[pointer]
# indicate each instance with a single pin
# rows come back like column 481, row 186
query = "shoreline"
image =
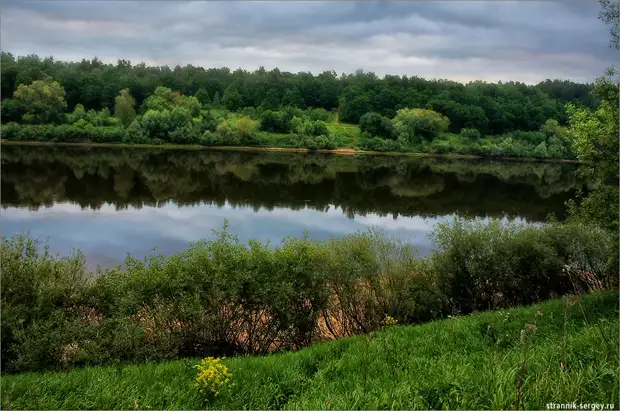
column 338, row 151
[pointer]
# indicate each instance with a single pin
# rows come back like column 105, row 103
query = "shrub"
column 221, row 297
column 318, row 114
column 245, row 129
column 11, row 131
column 470, row 134
column 379, row 144
column 411, row 123
column 376, row 125
column 486, row 266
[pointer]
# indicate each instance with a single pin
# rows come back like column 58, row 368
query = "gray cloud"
column 460, row 40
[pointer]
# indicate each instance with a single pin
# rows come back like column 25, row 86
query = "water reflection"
column 109, row 202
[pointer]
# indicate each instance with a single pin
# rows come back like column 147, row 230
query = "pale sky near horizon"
column 525, row 41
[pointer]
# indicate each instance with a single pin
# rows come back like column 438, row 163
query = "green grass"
column 473, row 362
column 348, row 134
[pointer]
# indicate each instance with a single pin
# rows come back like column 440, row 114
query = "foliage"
column 492, row 108
column 64, row 133
column 569, row 354
column 480, row 265
column 470, row 134
column 171, row 126
column 245, row 129
column 611, row 15
column 376, row 125
column 411, row 124
column 44, row 100
column 221, row 297
column 124, row 107
column 12, row 110
column 596, row 144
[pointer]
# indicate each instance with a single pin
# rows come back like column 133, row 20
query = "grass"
column 347, row 133
column 568, row 352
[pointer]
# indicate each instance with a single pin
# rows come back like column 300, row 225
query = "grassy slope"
column 471, row 362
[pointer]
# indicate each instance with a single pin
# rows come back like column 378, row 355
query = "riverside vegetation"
column 567, row 352
column 91, row 102
column 221, row 298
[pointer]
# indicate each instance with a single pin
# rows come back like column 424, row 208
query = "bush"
column 318, row 114
column 490, row 266
column 470, row 134
column 11, row 131
column 245, row 129
column 222, row 297
column 368, row 143
column 65, row 133
column 376, row 125
column 224, row 131
column 410, row 124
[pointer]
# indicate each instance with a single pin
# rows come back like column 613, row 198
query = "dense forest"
column 97, row 102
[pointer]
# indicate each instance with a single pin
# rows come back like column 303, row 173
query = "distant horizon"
column 460, row 41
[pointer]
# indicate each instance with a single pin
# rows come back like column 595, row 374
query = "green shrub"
column 221, row 297
column 376, row 125
column 470, row 134
column 486, row 266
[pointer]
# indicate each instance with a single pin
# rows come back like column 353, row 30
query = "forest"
column 90, row 101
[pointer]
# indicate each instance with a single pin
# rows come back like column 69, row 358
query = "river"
column 111, row 201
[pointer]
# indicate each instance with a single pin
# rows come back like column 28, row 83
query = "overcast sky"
column 525, row 41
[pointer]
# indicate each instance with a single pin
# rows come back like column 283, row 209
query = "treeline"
column 223, row 297
column 492, row 109
column 385, row 185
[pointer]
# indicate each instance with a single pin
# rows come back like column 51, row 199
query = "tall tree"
column 124, row 107
column 43, row 100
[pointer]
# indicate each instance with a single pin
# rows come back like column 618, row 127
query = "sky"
column 527, row 41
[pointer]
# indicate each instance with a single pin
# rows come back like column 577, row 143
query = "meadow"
column 560, row 351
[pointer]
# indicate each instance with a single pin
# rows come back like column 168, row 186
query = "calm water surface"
column 108, row 202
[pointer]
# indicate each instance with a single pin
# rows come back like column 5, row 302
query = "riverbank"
column 560, row 351
column 338, row 151
column 223, row 297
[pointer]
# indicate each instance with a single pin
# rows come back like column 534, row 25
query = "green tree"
column 411, row 123
column 12, row 110
column 203, row 96
column 376, row 125
column 596, row 145
column 124, row 107
column 216, row 100
column 471, row 134
column 43, row 100
column 611, row 15
column 78, row 114
column 596, row 140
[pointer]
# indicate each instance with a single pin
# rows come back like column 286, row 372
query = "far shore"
column 340, row 151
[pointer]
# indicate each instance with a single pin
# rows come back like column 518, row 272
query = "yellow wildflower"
column 212, row 376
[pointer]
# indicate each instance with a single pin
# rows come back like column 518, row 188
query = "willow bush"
column 221, row 297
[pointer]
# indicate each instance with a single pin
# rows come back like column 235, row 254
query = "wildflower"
column 388, row 321
column 212, row 376
column 539, row 314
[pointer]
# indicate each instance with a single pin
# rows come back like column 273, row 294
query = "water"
column 110, row 201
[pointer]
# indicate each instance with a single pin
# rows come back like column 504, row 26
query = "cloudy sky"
column 527, row 41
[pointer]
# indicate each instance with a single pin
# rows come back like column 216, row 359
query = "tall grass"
column 519, row 358
column 222, row 297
